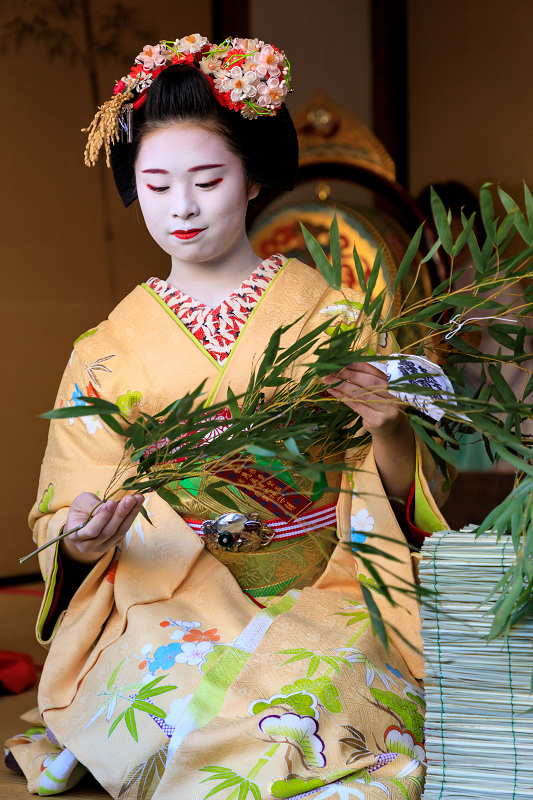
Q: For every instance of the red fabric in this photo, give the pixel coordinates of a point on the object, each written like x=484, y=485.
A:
x=416, y=535
x=17, y=671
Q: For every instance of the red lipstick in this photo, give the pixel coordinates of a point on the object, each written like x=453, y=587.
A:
x=190, y=234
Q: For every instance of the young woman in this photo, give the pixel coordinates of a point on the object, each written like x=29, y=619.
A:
x=174, y=671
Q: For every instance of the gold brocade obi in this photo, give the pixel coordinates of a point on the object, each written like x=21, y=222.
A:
x=305, y=530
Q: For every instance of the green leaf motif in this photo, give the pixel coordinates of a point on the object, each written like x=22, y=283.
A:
x=114, y=674
x=131, y=723
x=84, y=335
x=290, y=787
x=44, y=505
x=405, y=709
x=128, y=401
x=116, y=722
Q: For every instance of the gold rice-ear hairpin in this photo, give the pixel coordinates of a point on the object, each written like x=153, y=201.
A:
x=245, y=75
x=111, y=116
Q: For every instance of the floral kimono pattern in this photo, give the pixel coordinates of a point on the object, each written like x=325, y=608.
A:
x=164, y=679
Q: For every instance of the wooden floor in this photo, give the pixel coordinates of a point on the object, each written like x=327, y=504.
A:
x=19, y=606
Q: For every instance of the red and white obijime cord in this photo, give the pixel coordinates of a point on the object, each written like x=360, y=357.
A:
x=324, y=517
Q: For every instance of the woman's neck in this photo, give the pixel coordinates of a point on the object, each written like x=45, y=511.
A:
x=212, y=282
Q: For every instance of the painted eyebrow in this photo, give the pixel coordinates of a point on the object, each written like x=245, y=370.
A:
x=156, y=171
x=205, y=166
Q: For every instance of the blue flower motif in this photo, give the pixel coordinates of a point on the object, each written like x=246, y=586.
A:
x=164, y=656
x=77, y=394
x=357, y=536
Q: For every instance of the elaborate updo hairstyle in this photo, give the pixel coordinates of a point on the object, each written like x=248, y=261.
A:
x=267, y=146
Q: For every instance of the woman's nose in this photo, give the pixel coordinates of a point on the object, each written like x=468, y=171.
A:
x=184, y=205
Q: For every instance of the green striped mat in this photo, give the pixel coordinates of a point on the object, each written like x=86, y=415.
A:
x=479, y=738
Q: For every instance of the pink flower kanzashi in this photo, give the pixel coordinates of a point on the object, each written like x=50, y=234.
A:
x=271, y=93
x=221, y=81
x=249, y=113
x=193, y=652
x=210, y=64
x=268, y=61
x=152, y=57
x=248, y=45
x=192, y=43
x=242, y=85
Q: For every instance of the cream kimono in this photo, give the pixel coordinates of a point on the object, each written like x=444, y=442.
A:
x=163, y=678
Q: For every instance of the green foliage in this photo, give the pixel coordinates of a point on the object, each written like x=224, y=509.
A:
x=291, y=423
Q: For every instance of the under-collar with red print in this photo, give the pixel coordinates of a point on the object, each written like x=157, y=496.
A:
x=217, y=329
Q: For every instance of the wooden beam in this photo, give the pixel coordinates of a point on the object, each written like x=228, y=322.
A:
x=230, y=18
x=389, y=61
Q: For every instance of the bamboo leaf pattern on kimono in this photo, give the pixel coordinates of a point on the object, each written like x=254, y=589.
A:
x=131, y=723
x=399, y=785
x=114, y=674
x=301, y=653
x=146, y=775
x=357, y=742
x=229, y=779
x=115, y=723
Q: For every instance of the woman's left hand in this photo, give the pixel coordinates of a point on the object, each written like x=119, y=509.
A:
x=365, y=389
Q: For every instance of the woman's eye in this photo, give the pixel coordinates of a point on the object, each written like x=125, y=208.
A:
x=157, y=188
x=210, y=184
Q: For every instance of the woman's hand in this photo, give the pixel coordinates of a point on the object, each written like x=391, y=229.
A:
x=104, y=530
x=364, y=388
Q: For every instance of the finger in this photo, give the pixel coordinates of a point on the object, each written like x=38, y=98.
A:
x=364, y=378
x=355, y=392
x=93, y=527
x=366, y=368
x=128, y=521
x=126, y=507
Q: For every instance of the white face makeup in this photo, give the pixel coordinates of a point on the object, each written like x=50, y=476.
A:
x=192, y=194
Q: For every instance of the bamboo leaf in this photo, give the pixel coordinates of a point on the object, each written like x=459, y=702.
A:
x=148, y=708
x=372, y=279
x=335, y=250
x=441, y=222
x=359, y=269
x=131, y=724
x=156, y=691
x=234, y=781
x=529, y=206
x=487, y=212
x=313, y=666
x=116, y=722
x=431, y=443
x=409, y=257
x=378, y=626
x=114, y=674
x=320, y=258
x=518, y=218
x=464, y=236
x=432, y=252
x=112, y=423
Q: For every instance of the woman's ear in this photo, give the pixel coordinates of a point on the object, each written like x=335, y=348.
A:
x=253, y=190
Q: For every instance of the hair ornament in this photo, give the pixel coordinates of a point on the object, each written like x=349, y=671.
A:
x=245, y=75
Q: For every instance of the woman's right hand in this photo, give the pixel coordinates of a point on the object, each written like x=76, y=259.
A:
x=105, y=529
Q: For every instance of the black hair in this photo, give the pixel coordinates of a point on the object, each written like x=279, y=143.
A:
x=267, y=146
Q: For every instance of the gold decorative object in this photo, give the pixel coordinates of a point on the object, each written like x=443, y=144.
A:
x=327, y=132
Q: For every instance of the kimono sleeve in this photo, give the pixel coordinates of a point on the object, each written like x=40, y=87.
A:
x=81, y=456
